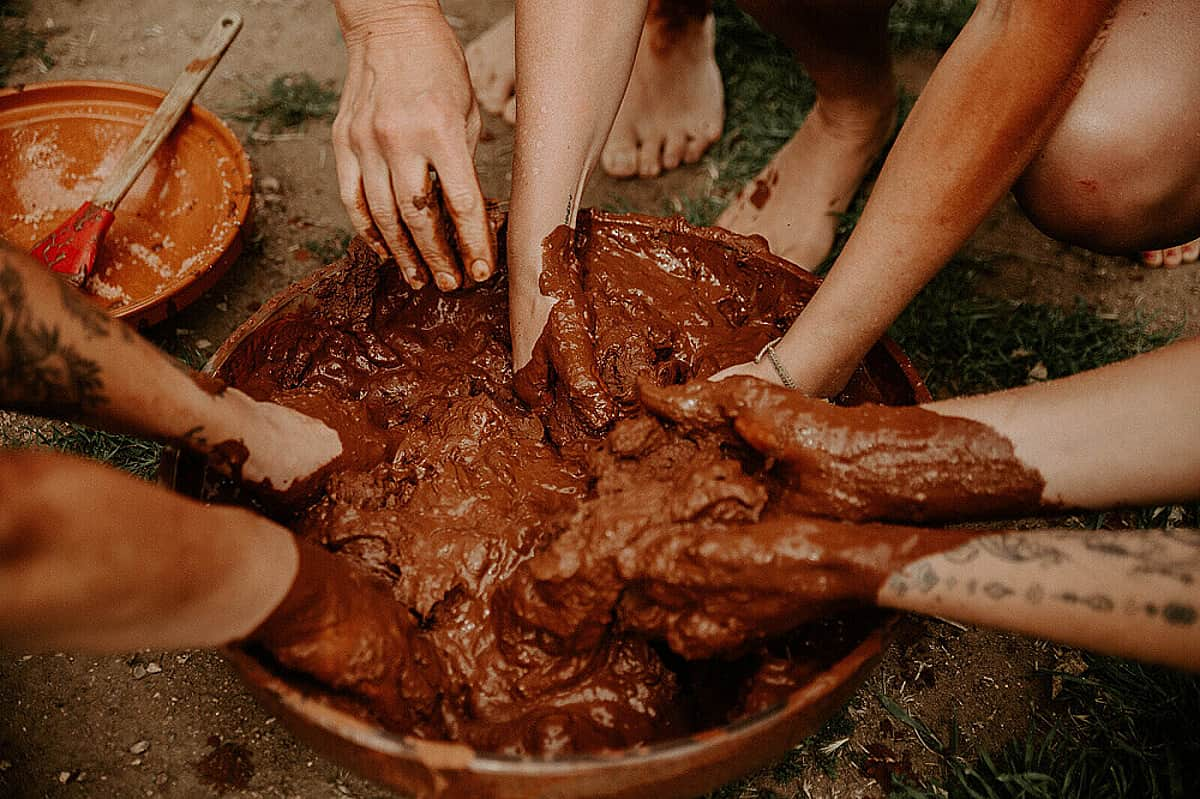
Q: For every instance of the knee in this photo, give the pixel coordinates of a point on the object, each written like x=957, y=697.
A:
x=1104, y=186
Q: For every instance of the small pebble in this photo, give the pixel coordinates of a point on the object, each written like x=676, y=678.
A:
x=5, y=765
x=139, y=747
x=203, y=343
x=268, y=184
x=161, y=779
x=139, y=671
x=137, y=761
x=153, y=668
x=64, y=777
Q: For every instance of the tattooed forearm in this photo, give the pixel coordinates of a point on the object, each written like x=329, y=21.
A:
x=39, y=371
x=1149, y=574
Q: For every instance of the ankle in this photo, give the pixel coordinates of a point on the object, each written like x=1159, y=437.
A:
x=865, y=117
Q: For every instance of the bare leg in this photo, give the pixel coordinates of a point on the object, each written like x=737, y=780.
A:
x=1121, y=172
x=795, y=201
x=673, y=107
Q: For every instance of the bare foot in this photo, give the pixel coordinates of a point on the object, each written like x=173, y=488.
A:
x=795, y=201
x=491, y=61
x=674, y=106
x=1173, y=256
x=673, y=109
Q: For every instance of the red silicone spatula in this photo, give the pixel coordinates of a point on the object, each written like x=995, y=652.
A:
x=71, y=249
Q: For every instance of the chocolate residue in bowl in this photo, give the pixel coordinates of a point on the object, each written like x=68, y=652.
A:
x=463, y=485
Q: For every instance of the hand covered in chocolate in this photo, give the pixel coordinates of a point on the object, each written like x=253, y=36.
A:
x=340, y=625
x=864, y=462
x=565, y=351
x=679, y=544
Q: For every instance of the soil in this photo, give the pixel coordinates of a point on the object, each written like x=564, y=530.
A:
x=179, y=724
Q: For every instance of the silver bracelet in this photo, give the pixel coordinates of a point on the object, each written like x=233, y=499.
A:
x=769, y=351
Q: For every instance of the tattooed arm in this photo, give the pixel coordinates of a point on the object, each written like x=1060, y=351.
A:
x=62, y=357
x=1132, y=593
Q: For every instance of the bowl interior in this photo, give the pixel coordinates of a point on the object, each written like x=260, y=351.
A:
x=681, y=767
x=176, y=230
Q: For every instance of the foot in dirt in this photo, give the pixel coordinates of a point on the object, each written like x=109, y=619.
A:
x=491, y=61
x=1172, y=256
x=795, y=201
x=674, y=107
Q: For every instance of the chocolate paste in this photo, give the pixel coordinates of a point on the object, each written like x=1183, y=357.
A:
x=506, y=537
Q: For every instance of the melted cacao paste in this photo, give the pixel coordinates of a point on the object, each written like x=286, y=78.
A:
x=457, y=493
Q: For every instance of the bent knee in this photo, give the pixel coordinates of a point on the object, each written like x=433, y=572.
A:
x=1112, y=193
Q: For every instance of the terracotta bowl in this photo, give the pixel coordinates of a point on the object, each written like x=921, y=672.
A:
x=685, y=767
x=178, y=229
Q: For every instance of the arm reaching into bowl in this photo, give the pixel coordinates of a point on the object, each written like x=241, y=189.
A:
x=1126, y=434
x=990, y=105
x=573, y=61
x=407, y=114
x=64, y=358
x=1131, y=593
x=95, y=560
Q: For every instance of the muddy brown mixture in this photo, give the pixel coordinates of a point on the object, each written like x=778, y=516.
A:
x=455, y=485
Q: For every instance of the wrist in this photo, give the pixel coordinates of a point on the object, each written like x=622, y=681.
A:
x=361, y=20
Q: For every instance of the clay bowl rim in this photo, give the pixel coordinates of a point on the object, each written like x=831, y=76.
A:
x=188, y=287
x=451, y=755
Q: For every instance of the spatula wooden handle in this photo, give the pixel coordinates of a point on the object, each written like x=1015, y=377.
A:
x=162, y=121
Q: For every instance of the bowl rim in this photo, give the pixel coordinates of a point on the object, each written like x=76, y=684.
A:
x=188, y=287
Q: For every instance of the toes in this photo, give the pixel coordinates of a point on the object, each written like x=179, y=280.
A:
x=650, y=157
x=620, y=155
x=1191, y=252
x=510, y=110
x=673, y=149
x=1152, y=258
x=1172, y=256
x=695, y=148
x=494, y=93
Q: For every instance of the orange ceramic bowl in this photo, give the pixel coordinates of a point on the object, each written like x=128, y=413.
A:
x=686, y=767
x=177, y=230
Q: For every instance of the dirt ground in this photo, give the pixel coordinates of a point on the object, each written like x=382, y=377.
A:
x=179, y=724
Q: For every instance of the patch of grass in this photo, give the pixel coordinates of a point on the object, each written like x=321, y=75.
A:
x=326, y=251
x=289, y=101
x=18, y=41
x=928, y=24
x=1119, y=730
x=965, y=343
x=134, y=455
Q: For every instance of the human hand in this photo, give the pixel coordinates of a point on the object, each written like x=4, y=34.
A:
x=404, y=142
x=564, y=346
x=342, y=626
x=864, y=462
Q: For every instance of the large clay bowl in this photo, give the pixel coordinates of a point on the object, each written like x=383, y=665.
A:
x=177, y=230
x=684, y=767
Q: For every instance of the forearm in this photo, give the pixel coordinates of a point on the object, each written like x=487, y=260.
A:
x=1130, y=593
x=988, y=108
x=1125, y=434
x=61, y=356
x=97, y=560
x=573, y=62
